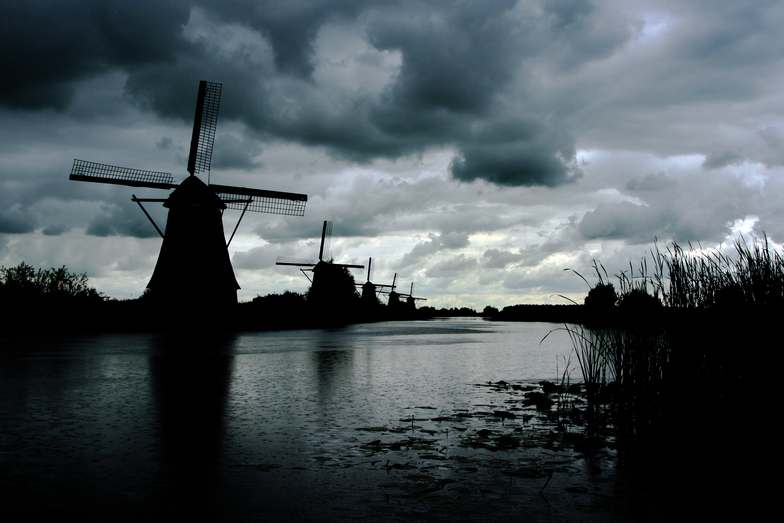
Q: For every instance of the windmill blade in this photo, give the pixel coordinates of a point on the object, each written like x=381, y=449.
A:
x=85, y=171
x=204, y=123
x=348, y=266
x=273, y=202
x=299, y=262
x=326, y=239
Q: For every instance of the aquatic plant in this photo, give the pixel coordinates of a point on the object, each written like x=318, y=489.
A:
x=658, y=343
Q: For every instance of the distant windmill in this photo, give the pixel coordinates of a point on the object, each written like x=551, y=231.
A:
x=317, y=266
x=393, y=300
x=333, y=290
x=193, y=266
x=371, y=290
x=410, y=299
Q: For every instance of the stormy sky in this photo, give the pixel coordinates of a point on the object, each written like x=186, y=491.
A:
x=475, y=148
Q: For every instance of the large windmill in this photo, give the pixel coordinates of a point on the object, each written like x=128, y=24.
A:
x=193, y=266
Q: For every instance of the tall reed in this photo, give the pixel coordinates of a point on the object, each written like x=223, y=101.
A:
x=660, y=345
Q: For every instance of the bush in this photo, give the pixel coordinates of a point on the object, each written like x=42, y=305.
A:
x=24, y=283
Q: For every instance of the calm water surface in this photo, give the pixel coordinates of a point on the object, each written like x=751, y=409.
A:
x=250, y=425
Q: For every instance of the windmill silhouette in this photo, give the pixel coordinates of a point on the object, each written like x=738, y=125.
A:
x=370, y=290
x=410, y=299
x=193, y=267
x=318, y=267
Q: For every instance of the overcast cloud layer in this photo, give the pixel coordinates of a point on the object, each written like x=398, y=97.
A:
x=475, y=148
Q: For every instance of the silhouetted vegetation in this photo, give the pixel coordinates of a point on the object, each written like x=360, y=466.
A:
x=42, y=299
x=669, y=360
x=24, y=284
x=546, y=313
x=430, y=312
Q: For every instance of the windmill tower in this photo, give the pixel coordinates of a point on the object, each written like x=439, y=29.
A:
x=393, y=300
x=193, y=267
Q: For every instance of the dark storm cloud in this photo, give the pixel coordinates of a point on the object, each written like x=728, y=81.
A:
x=291, y=27
x=49, y=45
x=16, y=221
x=121, y=220
x=542, y=162
x=55, y=229
x=453, y=59
x=232, y=152
x=457, y=64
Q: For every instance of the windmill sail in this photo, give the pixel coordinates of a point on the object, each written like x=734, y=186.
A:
x=276, y=202
x=204, y=124
x=326, y=237
x=85, y=171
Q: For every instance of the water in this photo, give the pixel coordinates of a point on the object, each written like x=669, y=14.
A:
x=253, y=425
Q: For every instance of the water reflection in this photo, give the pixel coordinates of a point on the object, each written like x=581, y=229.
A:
x=332, y=362
x=238, y=428
x=190, y=379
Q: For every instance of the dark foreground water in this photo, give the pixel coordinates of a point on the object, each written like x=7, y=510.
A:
x=368, y=422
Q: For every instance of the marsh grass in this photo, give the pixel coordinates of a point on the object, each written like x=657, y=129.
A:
x=675, y=352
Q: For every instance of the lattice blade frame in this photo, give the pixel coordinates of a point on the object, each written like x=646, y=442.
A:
x=297, y=262
x=85, y=171
x=273, y=202
x=204, y=123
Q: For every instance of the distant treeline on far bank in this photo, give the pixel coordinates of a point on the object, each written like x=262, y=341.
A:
x=682, y=283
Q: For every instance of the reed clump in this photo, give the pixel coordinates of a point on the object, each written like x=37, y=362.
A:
x=675, y=343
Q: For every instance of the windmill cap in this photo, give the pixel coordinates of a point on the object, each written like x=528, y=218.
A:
x=194, y=193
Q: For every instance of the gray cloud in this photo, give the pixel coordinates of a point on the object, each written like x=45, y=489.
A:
x=434, y=243
x=121, y=220
x=499, y=259
x=452, y=267
x=50, y=45
x=55, y=229
x=16, y=221
x=720, y=159
x=232, y=152
x=650, y=182
x=626, y=221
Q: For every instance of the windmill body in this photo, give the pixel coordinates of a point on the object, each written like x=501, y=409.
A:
x=194, y=263
x=194, y=268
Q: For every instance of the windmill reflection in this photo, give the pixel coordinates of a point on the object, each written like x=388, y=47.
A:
x=190, y=379
x=333, y=362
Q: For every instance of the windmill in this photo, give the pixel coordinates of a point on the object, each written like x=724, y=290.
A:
x=393, y=300
x=410, y=299
x=193, y=266
x=331, y=282
x=317, y=266
x=370, y=290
